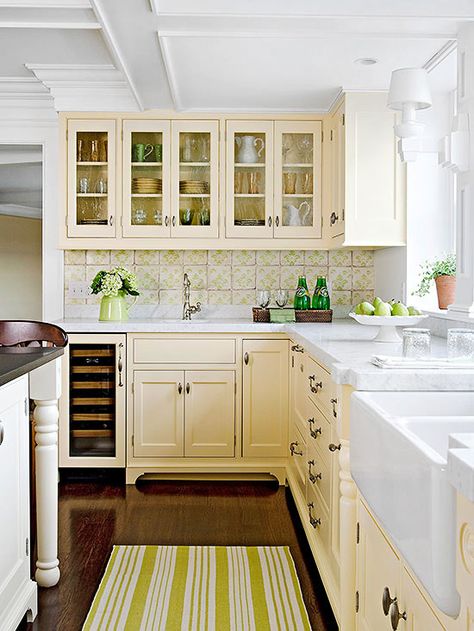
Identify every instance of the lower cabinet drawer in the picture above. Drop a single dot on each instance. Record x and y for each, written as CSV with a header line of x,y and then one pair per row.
x,y
318,475
298,460
318,518
183,351
321,388
318,433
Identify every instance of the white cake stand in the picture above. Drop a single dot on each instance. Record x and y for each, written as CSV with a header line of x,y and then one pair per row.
x,y
387,325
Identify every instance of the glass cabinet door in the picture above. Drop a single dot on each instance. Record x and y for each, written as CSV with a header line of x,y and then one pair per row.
x,y
249,179
194,176
146,182
297,179
91,178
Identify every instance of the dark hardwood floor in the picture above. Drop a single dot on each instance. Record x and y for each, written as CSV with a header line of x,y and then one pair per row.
x,y
93,517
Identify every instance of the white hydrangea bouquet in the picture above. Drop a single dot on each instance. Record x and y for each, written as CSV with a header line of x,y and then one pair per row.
x,y
115,284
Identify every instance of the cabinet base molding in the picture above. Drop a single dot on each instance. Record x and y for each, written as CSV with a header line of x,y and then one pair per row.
x,y
25,601
216,471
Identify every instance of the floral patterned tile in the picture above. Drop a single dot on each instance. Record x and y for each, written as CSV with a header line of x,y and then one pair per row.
x,y
148,276
362,296
171,257
268,257
316,258
219,276
292,257
148,297
341,298
243,297
340,258
340,278
197,275
362,258
73,301
171,297
219,257
98,257
243,257
220,297
75,257
363,278
201,295
171,277
94,299
268,277
74,272
195,257
289,277
147,257
243,277
124,258
312,274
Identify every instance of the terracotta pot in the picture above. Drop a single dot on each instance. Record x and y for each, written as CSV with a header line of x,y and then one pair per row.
x,y
446,288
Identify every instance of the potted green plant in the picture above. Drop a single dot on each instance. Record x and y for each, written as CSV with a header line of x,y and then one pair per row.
x,y
115,285
443,272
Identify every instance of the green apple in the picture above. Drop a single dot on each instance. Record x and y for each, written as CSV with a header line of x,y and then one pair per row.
x,y
383,309
377,301
366,308
399,309
413,311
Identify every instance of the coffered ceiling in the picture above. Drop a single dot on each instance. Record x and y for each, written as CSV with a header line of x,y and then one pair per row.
x,y
205,55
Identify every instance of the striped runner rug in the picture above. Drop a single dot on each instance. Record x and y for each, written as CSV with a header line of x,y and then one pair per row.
x,y
187,588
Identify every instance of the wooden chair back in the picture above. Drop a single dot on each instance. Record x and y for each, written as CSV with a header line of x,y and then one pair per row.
x,y
31,333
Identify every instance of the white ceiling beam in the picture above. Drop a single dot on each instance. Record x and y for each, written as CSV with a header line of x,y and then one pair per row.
x,y
46,4
47,18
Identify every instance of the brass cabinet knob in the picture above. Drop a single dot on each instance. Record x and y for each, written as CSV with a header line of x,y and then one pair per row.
x,y
387,600
395,615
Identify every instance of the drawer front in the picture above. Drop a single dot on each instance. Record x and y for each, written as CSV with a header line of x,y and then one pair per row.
x,y
317,511
183,351
318,433
321,388
318,475
298,460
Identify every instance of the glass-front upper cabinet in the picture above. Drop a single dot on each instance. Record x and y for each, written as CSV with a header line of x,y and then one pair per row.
x,y
297,170
194,178
91,178
146,178
249,146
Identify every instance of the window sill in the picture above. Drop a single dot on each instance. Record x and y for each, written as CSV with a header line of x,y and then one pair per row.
x,y
444,314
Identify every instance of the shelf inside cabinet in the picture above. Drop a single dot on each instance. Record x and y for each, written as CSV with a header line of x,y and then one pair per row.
x,y
146,164
252,195
194,164
251,165
194,195
298,194
147,195
84,163
91,194
299,165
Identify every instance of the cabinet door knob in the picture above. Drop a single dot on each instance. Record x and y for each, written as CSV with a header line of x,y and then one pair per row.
x,y
188,388
246,359
180,388
269,222
173,221
333,447
387,600
2,432
111,220
395,615
167,221
297,348
277,221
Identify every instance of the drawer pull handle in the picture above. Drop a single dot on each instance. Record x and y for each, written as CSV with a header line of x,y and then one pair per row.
x,y
297,348
246,359
387,601
2,433
188,388
395,615
315,522
120,365
334,411
333,447
293,450
173,221
312,476
314,385
167,221
180,388
333,218
111,220
314,432
269,222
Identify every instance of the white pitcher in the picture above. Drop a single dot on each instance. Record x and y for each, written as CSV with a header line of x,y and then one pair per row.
x,y
248,148
296,216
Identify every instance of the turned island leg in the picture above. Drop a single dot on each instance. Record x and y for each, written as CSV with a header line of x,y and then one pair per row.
x,y
45,390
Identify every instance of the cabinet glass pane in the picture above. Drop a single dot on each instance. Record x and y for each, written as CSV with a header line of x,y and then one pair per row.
x,y
194,178
249,179
91,178
146,178
92,400
298,185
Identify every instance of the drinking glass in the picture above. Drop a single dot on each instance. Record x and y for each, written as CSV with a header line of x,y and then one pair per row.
x,y
416,342
461,343
282,298
80,147
84,185
101,186
263,298
139,216
158,217
307,183
238,182
289,182
94,150
253,182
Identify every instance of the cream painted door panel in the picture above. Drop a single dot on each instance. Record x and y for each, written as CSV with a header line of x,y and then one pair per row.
x,y
297,179
337,149
419,615
378,567
158,412
265,398
210,413
300,401
91,173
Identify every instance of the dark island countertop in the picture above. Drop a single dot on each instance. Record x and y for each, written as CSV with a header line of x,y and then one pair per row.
x,y
17,361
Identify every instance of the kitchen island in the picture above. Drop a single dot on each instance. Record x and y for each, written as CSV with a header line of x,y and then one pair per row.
x,y
27,373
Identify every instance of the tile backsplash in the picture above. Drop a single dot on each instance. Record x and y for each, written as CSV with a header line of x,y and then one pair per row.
x,y
222,277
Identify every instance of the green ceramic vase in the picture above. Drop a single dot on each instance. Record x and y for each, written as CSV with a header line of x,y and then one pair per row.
x,y
114,308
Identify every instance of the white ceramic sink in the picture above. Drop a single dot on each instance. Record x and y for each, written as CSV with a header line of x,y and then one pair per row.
x,y
399,447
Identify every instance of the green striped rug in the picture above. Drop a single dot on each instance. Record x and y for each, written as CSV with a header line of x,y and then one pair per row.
x,y
149,588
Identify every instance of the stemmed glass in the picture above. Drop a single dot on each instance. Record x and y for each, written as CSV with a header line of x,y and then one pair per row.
x,y
305,147
281,298
263,298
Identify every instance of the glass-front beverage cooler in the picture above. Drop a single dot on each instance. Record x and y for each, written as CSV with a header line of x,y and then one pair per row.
x,y
92,409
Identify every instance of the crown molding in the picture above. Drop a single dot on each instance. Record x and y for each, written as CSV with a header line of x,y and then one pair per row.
x,y
25,99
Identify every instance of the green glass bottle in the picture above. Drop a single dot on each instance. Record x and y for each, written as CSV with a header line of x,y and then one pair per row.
x,y
302,297
321,294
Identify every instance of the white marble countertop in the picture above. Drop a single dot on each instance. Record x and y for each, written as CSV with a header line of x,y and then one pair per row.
x,y
344,346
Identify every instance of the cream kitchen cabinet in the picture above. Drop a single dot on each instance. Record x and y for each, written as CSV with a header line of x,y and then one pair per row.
x,y
265,398
183,413
17,590
367,200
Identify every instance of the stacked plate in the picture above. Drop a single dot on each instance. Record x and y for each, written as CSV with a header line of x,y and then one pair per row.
x,y
147,185
193,187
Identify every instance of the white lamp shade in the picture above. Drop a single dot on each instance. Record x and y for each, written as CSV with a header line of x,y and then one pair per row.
x,y
409,85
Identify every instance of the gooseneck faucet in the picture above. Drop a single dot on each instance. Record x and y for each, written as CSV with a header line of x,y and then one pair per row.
x,y
188,309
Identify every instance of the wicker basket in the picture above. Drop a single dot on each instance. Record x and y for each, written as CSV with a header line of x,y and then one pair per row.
x,y
307,315
260,315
